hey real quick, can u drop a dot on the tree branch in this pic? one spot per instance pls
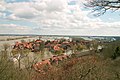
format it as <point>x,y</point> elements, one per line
<point>101,6</point>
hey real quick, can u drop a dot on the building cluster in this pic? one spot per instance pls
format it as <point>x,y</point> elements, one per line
<point>53,46</point>
<point>57,46</point>
<point>49,62</point>
<point>39,45</point>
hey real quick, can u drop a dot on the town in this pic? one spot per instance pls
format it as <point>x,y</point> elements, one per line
<point>42,53</point>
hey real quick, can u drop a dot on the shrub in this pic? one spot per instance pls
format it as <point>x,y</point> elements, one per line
<point>111,50</point>
<point>9,72</point>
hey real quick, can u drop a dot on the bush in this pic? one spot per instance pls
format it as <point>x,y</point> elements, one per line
<point>90,67</point>
<point>8,71</point>
<point>111,50</point>
<point>116,53</point>
<point>81,47</point>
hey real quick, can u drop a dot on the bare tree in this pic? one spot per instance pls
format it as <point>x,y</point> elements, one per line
<point>4,51</point>
<point>101,6</point>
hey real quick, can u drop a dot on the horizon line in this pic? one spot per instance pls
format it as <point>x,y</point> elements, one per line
<point>17,34</point>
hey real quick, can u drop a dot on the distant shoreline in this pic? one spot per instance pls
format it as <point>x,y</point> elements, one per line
<point>59,35</point>
<point>9,38</point>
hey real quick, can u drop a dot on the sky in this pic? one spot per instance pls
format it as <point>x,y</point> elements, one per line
<point>55,17</point>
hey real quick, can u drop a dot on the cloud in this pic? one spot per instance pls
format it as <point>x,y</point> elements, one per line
<point>22,10</point>
<point>12,28</point>
<point>2,8</point>
<point>56,17</point>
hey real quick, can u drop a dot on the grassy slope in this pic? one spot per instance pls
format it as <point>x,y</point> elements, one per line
<point>90,67</point>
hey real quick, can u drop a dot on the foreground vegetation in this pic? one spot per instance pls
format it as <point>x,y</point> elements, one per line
<point>85,68</point>
<point>90,67</point>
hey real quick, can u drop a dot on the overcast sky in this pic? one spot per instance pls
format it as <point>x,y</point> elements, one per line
<point>56,17</point>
